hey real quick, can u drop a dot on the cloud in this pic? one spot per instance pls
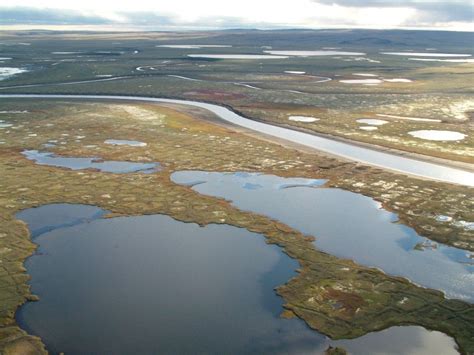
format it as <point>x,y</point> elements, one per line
<point>263,14</point>
<point>428,11</point>
<point>30,15</point>
<point>34,16</point>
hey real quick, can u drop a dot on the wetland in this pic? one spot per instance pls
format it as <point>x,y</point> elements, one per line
<point>149,282</point>
<point>237,191</point>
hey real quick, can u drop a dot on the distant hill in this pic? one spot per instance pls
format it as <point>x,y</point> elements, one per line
<point>373,41</point>
<point>349,38</point>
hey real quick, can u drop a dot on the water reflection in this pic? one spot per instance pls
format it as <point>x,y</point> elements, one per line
<point>125,142</point>
<point>353,152</point>
<point>109,166</point>
<point>346,224</point>
<point>151,284</point>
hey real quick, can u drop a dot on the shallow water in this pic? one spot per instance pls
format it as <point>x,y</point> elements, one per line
<point>368,128</point>
<point>398,80</point>
<point>151,284</point>
<point>372,121</point>
<point>307,119</point>
<point>14,111</point>
<point>237,56</point>
<point>247,86</point>
<point>361,81</point>
<point>108,166</point>
<point>313,53</point>
<point>125,142</point>
<point>430,54</point>
<point>443,60</point>
<point>6,72</point>
<point>409,118</point>
<point>183,77</point>
<point>193,46</point>
<point>435,135</point>
<point>346,225</point>
<point>65,53</point>
<point>350,151</point>
<point>60,215</point>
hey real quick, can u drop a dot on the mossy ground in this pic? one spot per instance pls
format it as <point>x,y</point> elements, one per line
<point>438,90</point>
<point>336,297</point>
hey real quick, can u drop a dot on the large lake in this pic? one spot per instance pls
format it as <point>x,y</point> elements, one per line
<point>151,284</point>
<point>345,224</point>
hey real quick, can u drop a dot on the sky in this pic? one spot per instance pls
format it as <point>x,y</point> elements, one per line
<point>222,14</point>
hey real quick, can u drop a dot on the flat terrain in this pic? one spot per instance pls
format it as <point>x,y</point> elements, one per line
<point>335,296</point>
<point>180,142</point>
<point>338,90</point>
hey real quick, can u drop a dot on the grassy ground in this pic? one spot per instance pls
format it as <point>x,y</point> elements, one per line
<point>439,90</point>
<point>370,299</point>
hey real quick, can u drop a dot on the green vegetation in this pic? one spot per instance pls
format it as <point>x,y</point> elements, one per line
<point>336,297</point>
<point>438,90</point>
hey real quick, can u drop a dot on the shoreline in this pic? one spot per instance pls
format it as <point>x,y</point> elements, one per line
<point>162,190</point>
<point>278,133</point>
<point>457,164</point>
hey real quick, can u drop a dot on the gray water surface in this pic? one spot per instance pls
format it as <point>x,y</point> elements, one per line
<point>345,224</point>
<point>108,166</point>
<point>153,285</point>
<point>353,152</point>
<point>130,143</point>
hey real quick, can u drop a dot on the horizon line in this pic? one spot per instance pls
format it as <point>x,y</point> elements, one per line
<point>141,29</point>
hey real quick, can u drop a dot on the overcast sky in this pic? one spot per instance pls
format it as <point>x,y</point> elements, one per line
<point>209,14</point>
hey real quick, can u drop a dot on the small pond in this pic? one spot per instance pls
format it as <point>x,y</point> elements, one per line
<point>108,166</point>
<point>125,142</point>
<point>382,159</point>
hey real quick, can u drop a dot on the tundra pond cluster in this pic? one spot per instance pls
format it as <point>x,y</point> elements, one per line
<point>334,296</point>
<point>171,165</point>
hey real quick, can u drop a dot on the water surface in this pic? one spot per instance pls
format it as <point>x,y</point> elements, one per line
<point>443,60</point>
<point>151,284</point>
<point>345,224</point>
<point>6,72</point>
<point>435,135</point>
<point>313,53</point>
<point>429,54</point>
<point>108,166</point>
<point>237,56</point>
<point>193,46</point>
<point>307,119</point>
<point>130,143</point>
<point>372,121</point>
<point>365,155</point>
<point>361,81</point>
